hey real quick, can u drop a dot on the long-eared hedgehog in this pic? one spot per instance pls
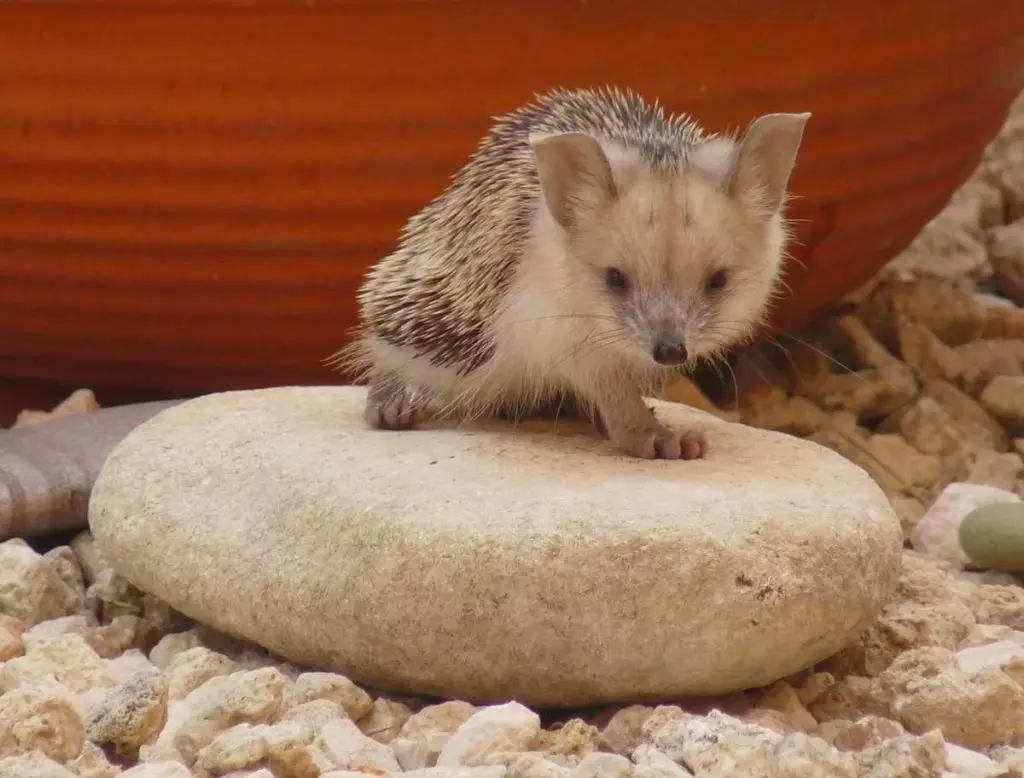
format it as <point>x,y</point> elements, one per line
<point>589,245</point>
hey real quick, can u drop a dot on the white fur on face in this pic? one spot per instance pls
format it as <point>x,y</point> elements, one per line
<point>668,233</point>
<point>668,236</point>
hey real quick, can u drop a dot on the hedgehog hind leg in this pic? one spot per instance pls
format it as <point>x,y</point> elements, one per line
<point>390,404</point>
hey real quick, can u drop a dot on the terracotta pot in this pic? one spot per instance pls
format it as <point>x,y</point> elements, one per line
<point>190,192</point>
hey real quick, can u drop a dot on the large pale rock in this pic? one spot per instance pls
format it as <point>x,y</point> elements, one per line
<point>488,562</point>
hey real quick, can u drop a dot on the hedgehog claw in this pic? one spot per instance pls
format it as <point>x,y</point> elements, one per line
<point>390,416</point>
<point>661,443</point>
<point>394,411</point>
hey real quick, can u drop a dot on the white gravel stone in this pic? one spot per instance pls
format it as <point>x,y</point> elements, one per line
<point>491,731</point>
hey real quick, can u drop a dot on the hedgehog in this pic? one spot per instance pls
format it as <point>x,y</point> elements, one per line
<point>591,245</point>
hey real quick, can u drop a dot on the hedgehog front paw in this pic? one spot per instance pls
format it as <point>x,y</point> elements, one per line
<point>394,411</point>
<point>653,441</point>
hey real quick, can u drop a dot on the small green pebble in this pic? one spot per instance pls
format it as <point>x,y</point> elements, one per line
<point>992,536</point>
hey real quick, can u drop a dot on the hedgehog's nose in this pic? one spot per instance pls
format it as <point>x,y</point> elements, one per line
<point>669,351</point>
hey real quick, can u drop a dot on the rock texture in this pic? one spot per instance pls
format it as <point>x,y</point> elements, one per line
<point>495,562</point>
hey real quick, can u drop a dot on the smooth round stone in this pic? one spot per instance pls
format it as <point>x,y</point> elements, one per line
<point>993,536</point>
<point>490,562</point>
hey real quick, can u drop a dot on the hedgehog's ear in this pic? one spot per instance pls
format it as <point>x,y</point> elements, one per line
<point>765,157</point>
<point>574,174</point>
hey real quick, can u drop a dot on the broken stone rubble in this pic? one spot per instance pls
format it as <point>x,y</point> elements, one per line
<point>937,679</point>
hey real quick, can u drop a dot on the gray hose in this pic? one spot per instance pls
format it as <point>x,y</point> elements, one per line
<point>47,470</point>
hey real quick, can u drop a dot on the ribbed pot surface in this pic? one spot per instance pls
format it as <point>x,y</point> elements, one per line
<point>190,192</point>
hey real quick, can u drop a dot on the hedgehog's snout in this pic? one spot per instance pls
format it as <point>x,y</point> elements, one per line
<point>664,332</point>
<point>666,341</point>
<point>669,350</point>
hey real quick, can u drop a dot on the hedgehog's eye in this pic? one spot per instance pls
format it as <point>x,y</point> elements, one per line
<point>615,279</point>
<point>716,281</point>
